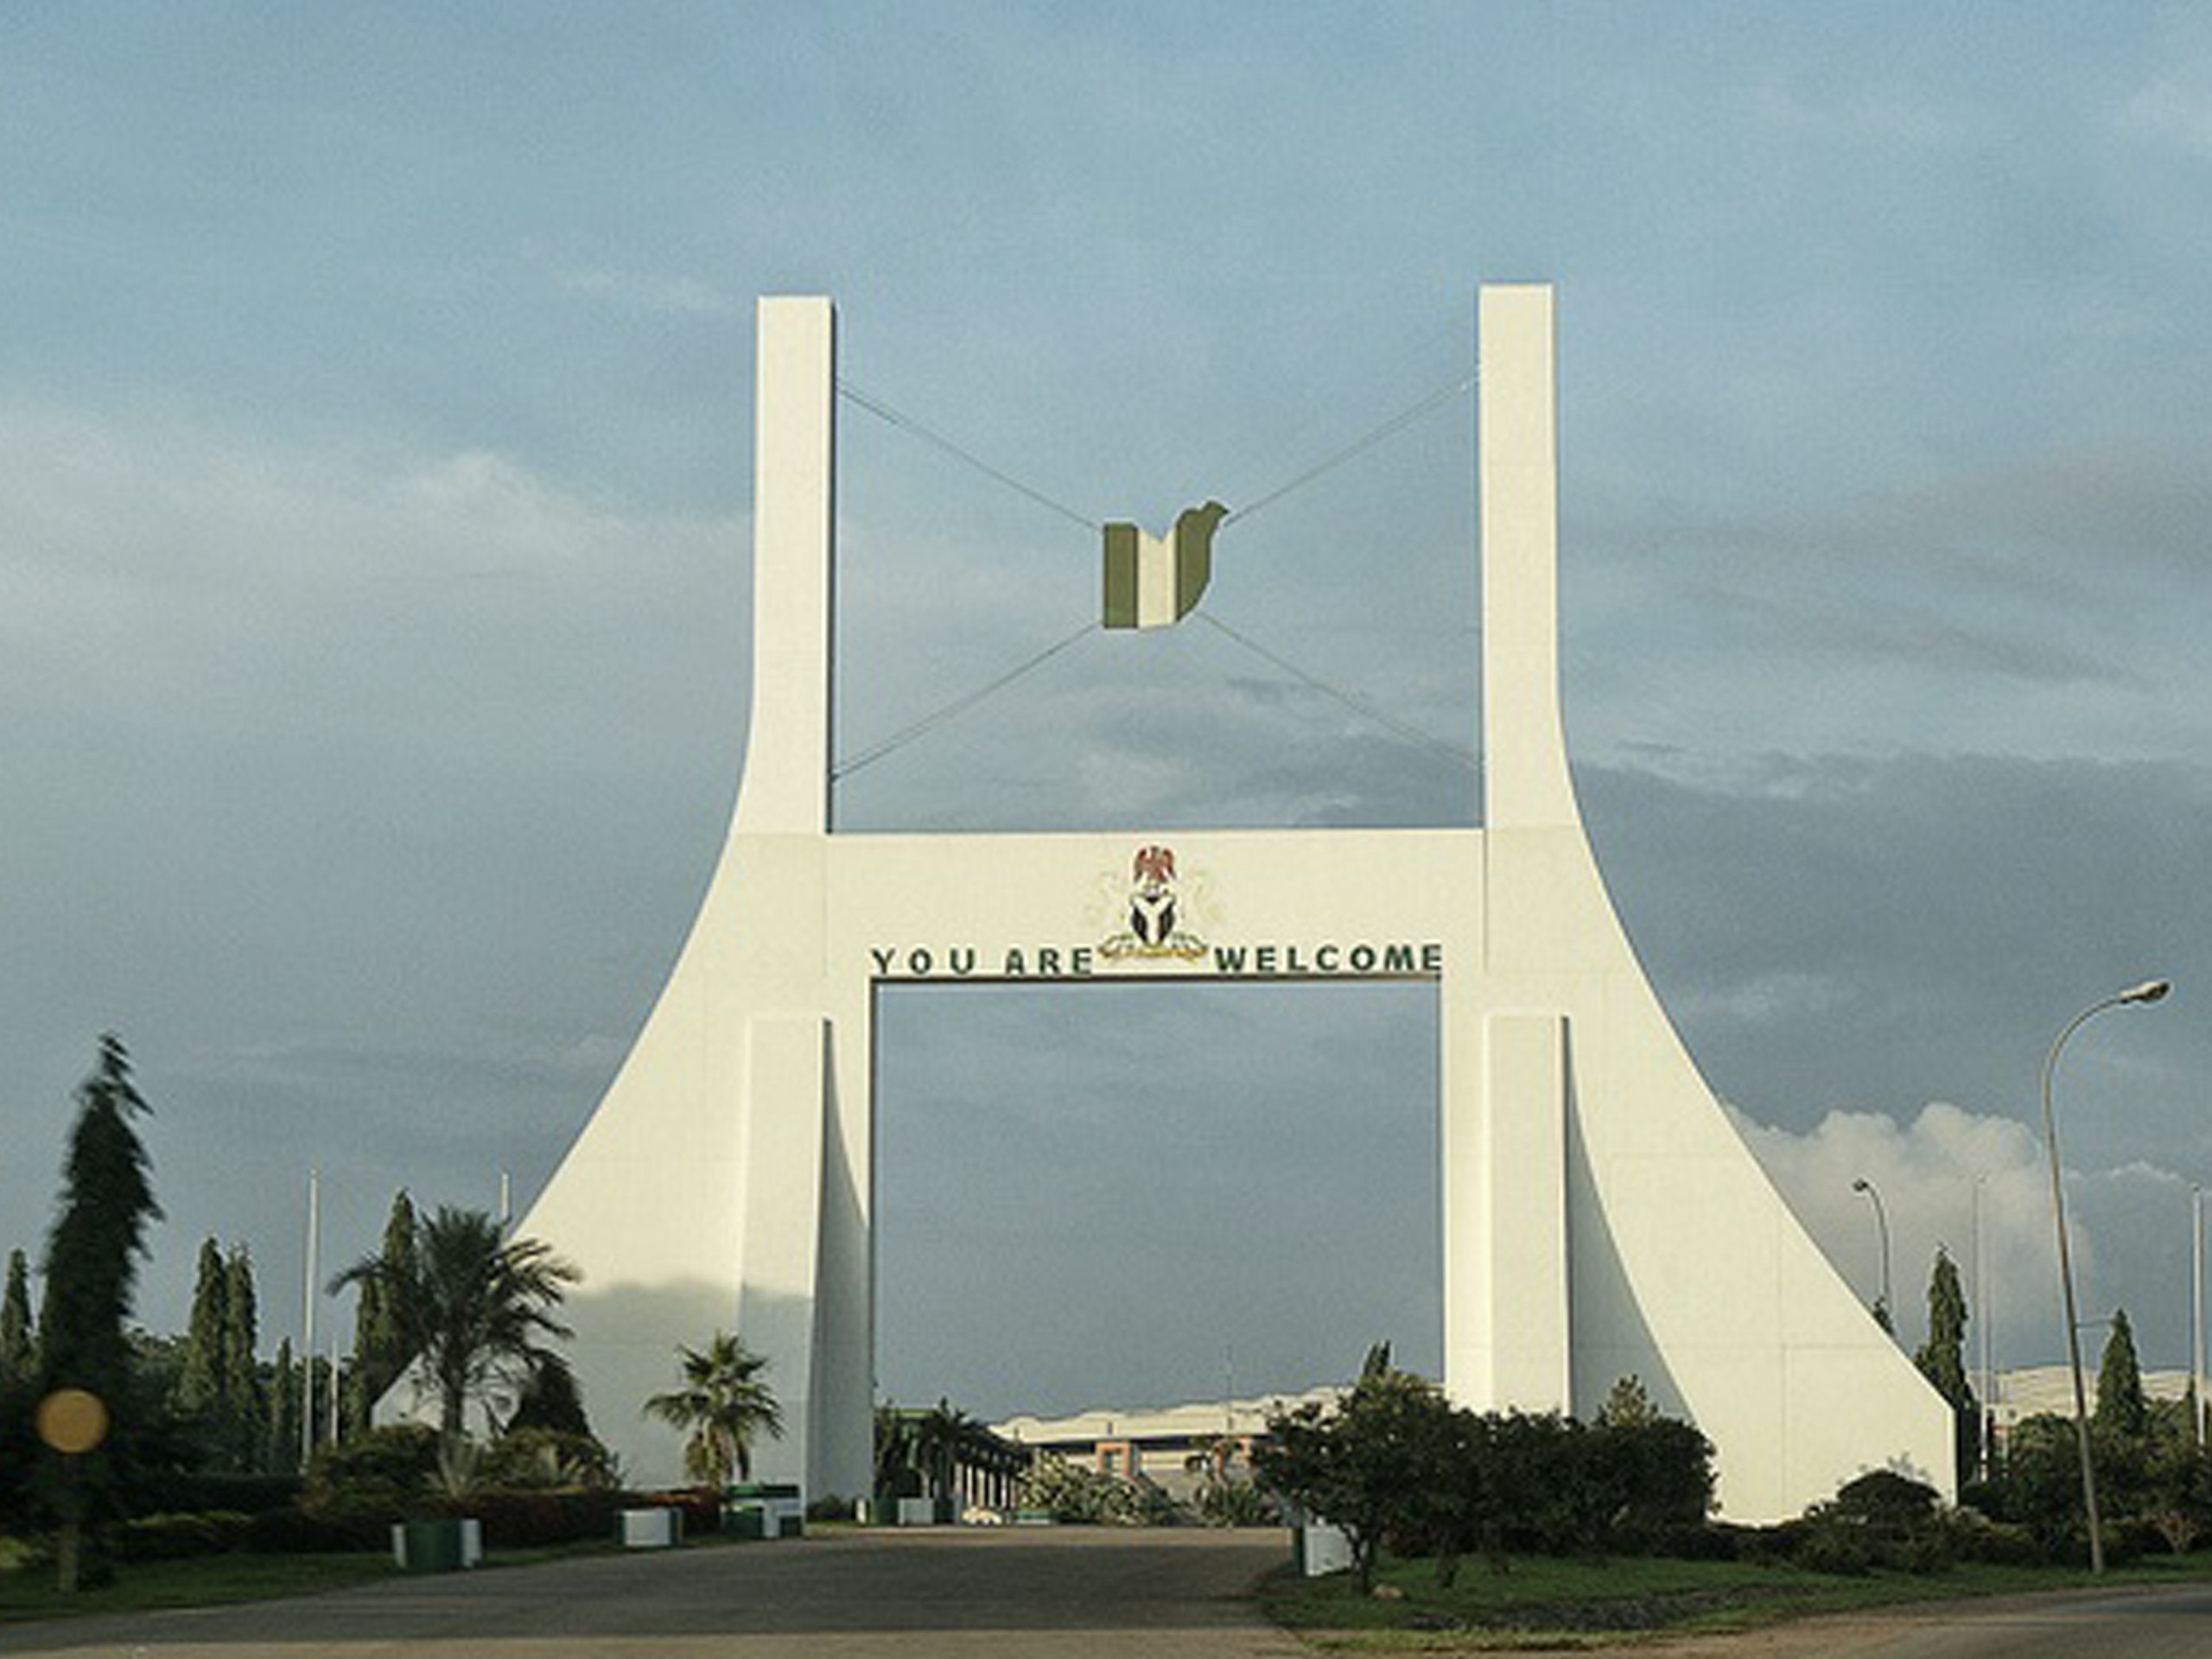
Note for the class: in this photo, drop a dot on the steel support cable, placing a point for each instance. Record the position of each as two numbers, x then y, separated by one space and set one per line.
931 721
1370 440
1352 701
1358 446
884 412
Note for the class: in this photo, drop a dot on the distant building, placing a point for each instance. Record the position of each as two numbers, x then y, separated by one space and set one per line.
2034 1390
1169 1445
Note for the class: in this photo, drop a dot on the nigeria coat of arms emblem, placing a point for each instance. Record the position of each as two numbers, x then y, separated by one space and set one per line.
1151 911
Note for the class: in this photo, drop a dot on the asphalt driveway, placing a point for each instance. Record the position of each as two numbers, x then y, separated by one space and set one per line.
1044 1593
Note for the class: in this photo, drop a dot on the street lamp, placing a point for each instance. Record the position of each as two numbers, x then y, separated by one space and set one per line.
1882 1316
2196 1317
1986 1409
2149 991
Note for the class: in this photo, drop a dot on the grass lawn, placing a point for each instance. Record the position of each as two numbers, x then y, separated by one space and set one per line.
1575 1603
28 1592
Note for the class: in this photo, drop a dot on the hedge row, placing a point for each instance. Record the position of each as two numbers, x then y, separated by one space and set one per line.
510 1521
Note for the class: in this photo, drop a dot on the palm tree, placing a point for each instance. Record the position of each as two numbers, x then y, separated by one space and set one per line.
894 1453
941 1434
468 1305
724 1405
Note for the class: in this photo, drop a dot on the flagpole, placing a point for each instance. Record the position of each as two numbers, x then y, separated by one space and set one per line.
306 1344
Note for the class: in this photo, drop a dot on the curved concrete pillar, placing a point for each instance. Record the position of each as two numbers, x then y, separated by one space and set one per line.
1601 1217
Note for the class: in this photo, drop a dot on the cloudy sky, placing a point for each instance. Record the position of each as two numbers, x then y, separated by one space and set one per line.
374 525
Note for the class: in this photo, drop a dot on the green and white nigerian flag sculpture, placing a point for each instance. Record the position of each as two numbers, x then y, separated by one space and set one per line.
1154 581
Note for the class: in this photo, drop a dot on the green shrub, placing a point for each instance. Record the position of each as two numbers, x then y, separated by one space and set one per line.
1820 1548
20 1554
174 1537
386 1470
1225 1502
181 1491
1080 1496
549 1460
295 1532
1882 1519
523 1520
1975 1537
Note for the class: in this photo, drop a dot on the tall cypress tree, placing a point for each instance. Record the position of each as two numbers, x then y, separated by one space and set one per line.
2120 1404
16 1348
200 1384
1941 1360
380 1344
92 1272
280 1446
92 1254
241 1373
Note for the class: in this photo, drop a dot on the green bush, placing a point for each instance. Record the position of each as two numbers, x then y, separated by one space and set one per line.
524 1519
180 1491
1226 1503
546 1459
1080 1496
1653 1478
173 1537
1882 1519
1975 1537
296 1532
387 1471
20 1554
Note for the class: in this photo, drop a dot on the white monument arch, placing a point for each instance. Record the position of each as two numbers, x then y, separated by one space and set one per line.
1600 1215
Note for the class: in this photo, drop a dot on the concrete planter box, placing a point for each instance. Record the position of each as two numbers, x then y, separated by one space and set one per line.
749 1519
441 1546
654 1529
784 1502
1317 1549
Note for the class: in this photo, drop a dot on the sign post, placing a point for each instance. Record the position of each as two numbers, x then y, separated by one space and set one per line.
73 1422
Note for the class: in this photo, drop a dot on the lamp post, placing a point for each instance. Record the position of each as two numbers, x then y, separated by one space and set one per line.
1987 1407
1882 1315
2149 991
2196 1317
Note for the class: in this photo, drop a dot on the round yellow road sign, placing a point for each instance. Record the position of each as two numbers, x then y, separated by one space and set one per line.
72 1421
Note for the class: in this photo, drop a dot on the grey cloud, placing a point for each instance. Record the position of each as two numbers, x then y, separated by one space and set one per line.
1953 911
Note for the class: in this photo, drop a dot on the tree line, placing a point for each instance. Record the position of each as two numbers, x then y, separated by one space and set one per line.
449 1302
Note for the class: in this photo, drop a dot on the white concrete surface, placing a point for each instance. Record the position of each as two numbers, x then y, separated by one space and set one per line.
1600 1215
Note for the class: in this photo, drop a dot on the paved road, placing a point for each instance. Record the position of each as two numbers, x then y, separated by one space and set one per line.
1062 1593
1066 1593
2126 1624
